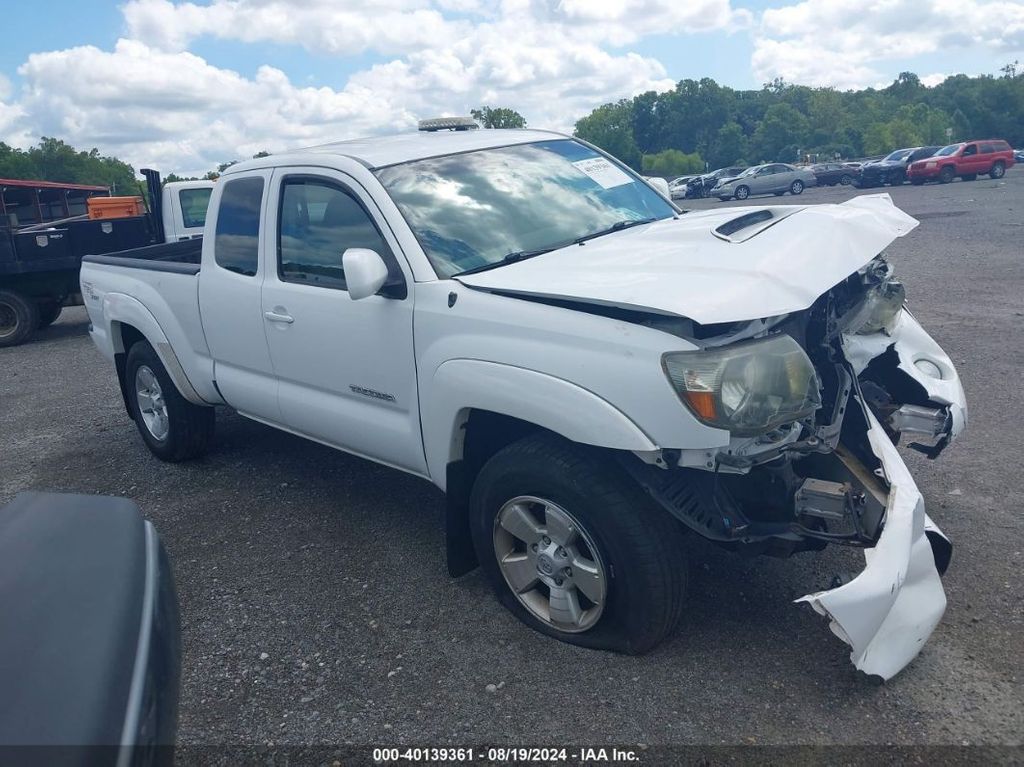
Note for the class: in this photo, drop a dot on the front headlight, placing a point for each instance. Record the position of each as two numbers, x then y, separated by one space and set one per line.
747 388
882 306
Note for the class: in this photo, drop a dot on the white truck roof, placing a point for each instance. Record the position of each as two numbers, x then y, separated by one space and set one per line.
379 151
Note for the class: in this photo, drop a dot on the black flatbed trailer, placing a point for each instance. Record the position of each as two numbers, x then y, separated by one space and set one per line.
39 268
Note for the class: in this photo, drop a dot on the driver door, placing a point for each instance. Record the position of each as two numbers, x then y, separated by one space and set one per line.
346 369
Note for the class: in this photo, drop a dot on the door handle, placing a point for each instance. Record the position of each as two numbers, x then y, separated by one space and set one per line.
275 317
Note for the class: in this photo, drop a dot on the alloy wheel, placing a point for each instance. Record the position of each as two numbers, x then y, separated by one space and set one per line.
550 563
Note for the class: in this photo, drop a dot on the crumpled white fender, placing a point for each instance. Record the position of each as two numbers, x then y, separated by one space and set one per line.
913 343
887 613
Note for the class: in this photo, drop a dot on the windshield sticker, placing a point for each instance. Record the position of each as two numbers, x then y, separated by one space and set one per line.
603 172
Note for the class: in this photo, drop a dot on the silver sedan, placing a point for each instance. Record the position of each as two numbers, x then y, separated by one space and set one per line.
773 178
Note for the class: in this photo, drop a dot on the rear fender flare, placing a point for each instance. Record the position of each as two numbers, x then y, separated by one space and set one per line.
122 310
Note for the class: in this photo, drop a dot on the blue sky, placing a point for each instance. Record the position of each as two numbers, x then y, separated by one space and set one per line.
187 84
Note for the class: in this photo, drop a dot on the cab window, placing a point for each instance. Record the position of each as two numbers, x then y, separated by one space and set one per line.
318 222
236 243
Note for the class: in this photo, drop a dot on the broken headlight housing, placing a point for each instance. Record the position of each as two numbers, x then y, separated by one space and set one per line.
748 388
882 306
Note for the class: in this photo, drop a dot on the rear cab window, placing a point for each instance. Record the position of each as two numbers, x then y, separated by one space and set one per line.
194 203
236 241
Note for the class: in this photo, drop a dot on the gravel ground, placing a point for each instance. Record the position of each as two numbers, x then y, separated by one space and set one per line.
316 607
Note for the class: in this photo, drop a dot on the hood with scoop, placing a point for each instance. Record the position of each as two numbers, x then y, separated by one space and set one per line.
727 265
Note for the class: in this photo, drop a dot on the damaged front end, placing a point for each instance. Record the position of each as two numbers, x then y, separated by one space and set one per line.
823 467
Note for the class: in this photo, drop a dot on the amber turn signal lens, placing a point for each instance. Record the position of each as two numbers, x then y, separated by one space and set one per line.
702 403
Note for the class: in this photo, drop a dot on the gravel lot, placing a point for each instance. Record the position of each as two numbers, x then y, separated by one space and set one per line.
316 607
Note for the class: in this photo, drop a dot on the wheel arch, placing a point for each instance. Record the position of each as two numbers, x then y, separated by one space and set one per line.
476 408
130 322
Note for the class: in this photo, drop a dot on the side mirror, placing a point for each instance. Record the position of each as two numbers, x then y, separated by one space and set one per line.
365 272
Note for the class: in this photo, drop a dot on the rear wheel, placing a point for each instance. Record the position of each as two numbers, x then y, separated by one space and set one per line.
797 187
897 178
846 179
49 311
173 428
998 170
575 549
19 318
946 174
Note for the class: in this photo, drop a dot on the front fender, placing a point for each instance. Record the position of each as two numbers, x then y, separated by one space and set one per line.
575 413
912 344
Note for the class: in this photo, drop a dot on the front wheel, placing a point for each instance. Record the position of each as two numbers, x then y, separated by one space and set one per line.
575 549
173 428
19 318
897 179
946 174
998 170
742 192
797 187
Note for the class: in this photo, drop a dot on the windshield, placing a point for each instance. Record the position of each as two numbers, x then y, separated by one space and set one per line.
473 209
899 154
948 150
751 171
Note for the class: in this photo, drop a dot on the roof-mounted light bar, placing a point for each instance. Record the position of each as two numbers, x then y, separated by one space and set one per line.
448 123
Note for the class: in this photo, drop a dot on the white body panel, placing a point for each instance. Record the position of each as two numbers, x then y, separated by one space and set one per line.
393 379
180 222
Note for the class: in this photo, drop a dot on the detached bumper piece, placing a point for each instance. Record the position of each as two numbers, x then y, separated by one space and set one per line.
887 613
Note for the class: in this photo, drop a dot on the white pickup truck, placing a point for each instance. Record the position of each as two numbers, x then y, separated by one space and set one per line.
589 373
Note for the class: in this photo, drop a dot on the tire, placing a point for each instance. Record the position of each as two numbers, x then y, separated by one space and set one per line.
998 170
19 318
946 174
897 179
846 179
608 526
797 187
742 192
49 311
173 428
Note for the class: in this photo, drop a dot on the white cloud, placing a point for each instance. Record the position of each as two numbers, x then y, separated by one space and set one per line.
323 26
843 42
175 111
402 26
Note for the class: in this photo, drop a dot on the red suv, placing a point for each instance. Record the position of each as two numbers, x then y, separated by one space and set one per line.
967 160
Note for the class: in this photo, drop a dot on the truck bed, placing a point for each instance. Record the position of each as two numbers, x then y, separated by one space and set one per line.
178 257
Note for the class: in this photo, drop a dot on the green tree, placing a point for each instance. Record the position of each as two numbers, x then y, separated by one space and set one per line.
729 146
54 160
783 126
498 117
610 127
671 162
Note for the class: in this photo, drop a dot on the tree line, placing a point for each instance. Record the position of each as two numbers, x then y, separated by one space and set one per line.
700 121
54 160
